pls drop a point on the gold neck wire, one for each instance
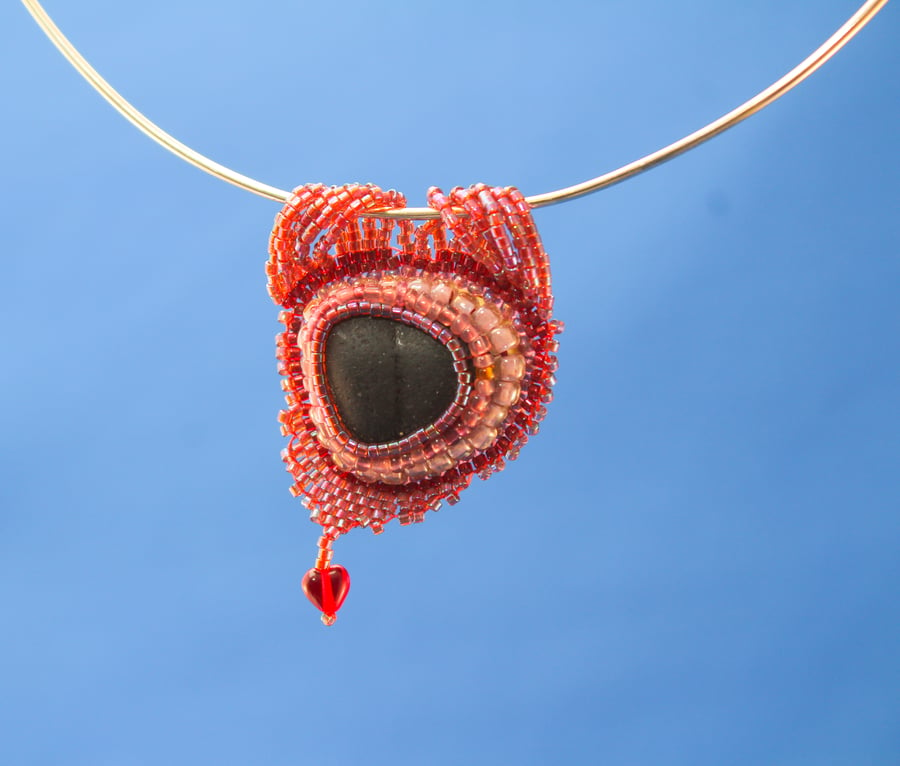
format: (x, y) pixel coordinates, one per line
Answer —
(760, 101)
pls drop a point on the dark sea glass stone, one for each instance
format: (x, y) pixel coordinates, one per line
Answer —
(387, 379)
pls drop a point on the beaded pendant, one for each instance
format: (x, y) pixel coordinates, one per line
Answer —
(414, 357)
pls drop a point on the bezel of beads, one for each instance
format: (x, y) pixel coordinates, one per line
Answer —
(486, 389)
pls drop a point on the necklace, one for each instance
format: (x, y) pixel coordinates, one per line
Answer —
(449, 323)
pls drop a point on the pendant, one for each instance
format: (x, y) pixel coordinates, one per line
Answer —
(414, 357)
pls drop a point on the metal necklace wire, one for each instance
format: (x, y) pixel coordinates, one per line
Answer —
(847, 31)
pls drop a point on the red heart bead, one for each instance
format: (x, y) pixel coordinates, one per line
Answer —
(327, 589)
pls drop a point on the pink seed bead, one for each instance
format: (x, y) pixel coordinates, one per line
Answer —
(503, 339)
(461, 324)
(424, 304)
(482, 437)
(343, 296)
(330, 442)
(394, 477)
(485, 319)
(346, 461)
(478, 403)
(495, 415)
(511, 367)
(469, 335)
(507, 393)
(418, 471)
(470, 418)
(484, 387)
(442, 293)
(418, 286)
(372, 293)
(440, 463)
(463, 305)
(459, 450)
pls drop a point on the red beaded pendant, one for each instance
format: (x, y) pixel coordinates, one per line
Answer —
(414, 357)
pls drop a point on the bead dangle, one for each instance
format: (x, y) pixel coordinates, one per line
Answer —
(408, 367)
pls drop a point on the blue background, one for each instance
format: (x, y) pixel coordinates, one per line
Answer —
(696, 562)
